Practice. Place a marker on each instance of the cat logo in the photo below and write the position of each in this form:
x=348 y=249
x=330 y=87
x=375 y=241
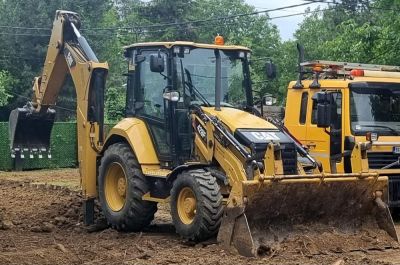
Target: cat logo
x=265 y=136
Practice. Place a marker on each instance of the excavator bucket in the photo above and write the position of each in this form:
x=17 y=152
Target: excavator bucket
x=313 y=214
x=30 y=131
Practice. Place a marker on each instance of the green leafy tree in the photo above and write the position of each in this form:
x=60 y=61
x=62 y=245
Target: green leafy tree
x=25 y=36
x=6 y=81
x=115 y=105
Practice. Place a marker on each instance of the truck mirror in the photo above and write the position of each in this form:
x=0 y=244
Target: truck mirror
x=324 y=102
x=270 y=70
x=139 y=59
x=157 y=63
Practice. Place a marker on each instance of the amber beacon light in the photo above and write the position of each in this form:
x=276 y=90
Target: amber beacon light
x=219 y=40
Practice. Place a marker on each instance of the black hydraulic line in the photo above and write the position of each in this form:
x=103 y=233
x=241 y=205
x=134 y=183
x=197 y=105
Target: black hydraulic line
x=218 y=76
x=91 y=56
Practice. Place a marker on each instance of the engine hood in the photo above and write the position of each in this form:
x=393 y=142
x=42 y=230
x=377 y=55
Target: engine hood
x=256 y=133
x=238 y=119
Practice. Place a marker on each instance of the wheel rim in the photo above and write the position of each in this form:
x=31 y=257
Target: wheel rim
x=186 y=205
x=115 y=187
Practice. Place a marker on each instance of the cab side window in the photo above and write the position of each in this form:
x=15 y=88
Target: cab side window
x=303 y=108
x=337 y=116
x=314 y=113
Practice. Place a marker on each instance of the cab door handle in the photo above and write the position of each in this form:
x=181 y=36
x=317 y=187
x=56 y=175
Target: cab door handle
x=311 y=145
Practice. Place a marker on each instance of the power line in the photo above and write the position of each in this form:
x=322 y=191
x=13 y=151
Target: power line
x=25 y=97
x=27 y=28
x=125 y=30
x=341 y=3
x=24 y=34
x=175 y=23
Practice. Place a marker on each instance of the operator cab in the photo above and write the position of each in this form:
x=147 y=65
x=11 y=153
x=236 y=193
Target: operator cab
x=166 y=78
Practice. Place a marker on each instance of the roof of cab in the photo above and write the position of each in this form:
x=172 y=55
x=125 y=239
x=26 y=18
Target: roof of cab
x=187 y=43
x=344 y=83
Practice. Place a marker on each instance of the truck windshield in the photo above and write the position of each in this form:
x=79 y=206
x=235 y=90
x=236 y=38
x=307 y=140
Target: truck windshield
x=375 y=110
x=198 y=67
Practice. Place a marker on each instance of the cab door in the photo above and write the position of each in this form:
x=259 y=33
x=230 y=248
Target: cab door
x=325 y=145
x=167 y=120
x=150 y=105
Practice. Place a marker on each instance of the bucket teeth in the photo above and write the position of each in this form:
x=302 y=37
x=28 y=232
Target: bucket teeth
x=34 y=152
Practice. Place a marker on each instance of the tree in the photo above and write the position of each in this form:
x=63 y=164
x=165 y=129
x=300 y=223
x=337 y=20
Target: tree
x=6 y=81
x=26 y=26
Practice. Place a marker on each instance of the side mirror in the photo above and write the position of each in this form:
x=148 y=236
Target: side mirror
x=270 y=70
x=173 y=96
x=268 y=100
x=139 y=58
x=324 y=103
x=157 y=63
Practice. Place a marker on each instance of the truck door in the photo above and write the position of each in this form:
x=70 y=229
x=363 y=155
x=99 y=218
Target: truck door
x=297 y=104
x=326 y=145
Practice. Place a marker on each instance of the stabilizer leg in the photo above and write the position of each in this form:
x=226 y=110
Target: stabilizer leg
x=88 y=211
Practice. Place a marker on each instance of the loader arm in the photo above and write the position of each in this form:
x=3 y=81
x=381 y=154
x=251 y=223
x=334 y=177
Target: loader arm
x=30 y=127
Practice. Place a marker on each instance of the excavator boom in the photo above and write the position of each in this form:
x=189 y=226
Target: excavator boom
x=30 y=126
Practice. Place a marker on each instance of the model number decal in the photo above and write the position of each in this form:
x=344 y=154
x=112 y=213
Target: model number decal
x=201 y=131
x=265 y=136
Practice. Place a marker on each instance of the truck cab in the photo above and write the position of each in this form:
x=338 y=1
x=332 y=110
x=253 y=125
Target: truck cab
x=365 y=109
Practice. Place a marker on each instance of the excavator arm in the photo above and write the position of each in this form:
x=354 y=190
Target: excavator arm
x=30 y=126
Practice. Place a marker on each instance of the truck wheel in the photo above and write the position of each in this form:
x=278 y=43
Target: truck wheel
x=121 y=187
x=196 y=205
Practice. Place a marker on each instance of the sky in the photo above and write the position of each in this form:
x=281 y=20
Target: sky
x=287 y=26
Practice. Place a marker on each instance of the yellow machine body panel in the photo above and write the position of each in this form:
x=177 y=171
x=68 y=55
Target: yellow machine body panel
x=136 y=133
x=239 y=119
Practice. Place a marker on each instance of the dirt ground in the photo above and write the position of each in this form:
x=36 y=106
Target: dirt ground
x=41 y=223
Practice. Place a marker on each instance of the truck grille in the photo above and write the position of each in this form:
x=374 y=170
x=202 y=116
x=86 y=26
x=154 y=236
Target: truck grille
x=394 y=191
x=378 y=160
x=289 y=158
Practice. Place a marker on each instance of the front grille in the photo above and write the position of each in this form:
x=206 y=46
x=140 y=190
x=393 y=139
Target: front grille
x=377 y=160
x=394 y=191
x=289 y=158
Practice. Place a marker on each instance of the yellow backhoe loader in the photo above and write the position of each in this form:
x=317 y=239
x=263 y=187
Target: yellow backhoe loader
x=191 y=139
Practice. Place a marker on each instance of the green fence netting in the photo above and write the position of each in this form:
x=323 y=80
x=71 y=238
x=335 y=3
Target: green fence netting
x=63 y=149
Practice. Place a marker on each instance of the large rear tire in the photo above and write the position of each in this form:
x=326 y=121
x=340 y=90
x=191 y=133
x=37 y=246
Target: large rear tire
x=121 y=187
x=196 y=205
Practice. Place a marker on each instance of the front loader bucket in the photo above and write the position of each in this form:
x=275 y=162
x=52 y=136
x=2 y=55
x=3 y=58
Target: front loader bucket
x=29 y=130
x=310 y=214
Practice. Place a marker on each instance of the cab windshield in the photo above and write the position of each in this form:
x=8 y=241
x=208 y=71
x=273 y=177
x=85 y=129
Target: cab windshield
x=375 y=109
x=198 y=66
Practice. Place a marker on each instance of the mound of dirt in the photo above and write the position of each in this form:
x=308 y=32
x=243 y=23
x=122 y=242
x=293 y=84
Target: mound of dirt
x=47 y=229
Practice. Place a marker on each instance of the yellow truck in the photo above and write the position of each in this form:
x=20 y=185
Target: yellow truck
x=344 y=104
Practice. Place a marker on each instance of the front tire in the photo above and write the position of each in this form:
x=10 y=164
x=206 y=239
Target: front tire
x=196 y=205
x=121 y=187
